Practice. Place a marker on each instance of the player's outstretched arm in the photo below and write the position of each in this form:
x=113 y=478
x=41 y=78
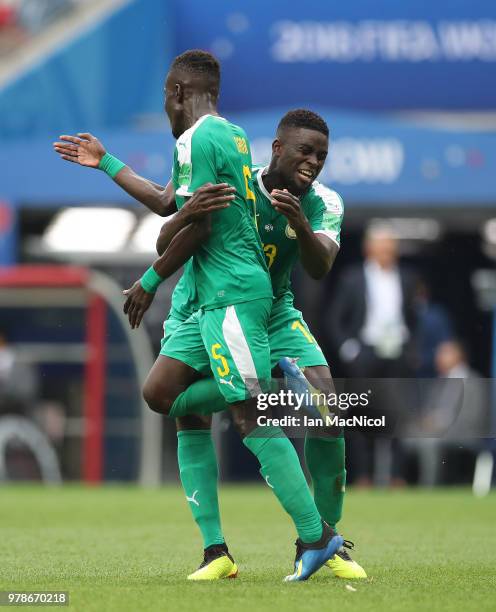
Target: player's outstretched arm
x=208 y=198
x=86 y=150
x=317 y=252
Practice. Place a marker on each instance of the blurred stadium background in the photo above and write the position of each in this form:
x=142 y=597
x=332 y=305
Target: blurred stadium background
x=408 y=92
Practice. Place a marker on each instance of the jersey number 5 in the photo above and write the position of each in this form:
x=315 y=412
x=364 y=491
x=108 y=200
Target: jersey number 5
x=224 y=370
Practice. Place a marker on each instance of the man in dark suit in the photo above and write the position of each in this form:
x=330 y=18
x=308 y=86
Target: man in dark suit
x=371 y=326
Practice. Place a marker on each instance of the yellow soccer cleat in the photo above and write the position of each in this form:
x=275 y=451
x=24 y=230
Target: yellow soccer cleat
x=343 y=566
x=217 y=563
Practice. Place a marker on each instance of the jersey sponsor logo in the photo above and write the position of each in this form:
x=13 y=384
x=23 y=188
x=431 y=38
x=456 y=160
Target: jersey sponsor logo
x=365 y=160
x=415 y=41
x=269 y=227
x=229 y=382
x=193 y=499
x=290 y=233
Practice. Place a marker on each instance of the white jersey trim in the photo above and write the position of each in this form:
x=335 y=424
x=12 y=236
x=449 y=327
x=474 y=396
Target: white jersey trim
x=183 y=146
x=240 y=351
x=260 y=182
x=332 y=235
x=332 y=200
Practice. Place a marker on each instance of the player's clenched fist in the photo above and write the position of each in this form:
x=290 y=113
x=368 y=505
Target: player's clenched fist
x=288 y=205
x=83 y=149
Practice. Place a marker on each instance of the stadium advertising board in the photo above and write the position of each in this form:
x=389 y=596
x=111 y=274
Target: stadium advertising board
x=375 y=55
x=371 y=159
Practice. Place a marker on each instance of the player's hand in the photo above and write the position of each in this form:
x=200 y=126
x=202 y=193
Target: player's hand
x=208 y=198
x=83 y=149
x=288 y=205
x=137 y=303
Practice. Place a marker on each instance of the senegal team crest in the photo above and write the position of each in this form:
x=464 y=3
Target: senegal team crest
x=290 y=233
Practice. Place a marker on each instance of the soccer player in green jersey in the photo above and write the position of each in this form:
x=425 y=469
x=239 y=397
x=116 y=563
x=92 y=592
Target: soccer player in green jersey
x=305 y=226
x=234 y=293
x=288 y=333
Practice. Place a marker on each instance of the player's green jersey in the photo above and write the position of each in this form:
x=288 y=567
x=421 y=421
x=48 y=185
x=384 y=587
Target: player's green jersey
x=323 y=208
x=229 y=267
x=184 y=297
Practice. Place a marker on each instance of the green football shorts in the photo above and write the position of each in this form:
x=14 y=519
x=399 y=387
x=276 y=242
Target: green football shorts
x=182 y=340
x=230 y=342
x=289 y=336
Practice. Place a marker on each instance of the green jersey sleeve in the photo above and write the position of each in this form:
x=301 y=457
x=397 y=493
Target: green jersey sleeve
x=199 y=161
x=326 y=213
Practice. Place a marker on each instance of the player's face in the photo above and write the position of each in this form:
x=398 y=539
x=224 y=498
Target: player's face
x=173 y=104
x=301 y=154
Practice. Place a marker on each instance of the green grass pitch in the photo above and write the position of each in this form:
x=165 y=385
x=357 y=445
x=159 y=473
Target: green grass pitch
x=118 y=548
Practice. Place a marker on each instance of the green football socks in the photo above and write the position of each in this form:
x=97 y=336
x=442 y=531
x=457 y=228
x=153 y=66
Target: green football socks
x=325 y=459
x=198 y=471
x=281 y=469
x=202 y=397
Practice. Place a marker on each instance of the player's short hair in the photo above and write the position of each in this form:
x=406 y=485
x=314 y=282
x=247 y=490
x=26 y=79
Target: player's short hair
x=303 y=118
x=200 y=63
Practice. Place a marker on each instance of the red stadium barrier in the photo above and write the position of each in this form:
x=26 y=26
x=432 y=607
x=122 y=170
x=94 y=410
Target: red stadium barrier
x=50 y=276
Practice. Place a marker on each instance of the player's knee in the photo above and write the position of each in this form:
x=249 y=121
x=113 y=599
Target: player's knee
x=156 y=398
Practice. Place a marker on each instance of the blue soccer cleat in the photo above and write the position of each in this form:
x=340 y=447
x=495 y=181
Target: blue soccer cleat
x=311 y=557
x=295 y=381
